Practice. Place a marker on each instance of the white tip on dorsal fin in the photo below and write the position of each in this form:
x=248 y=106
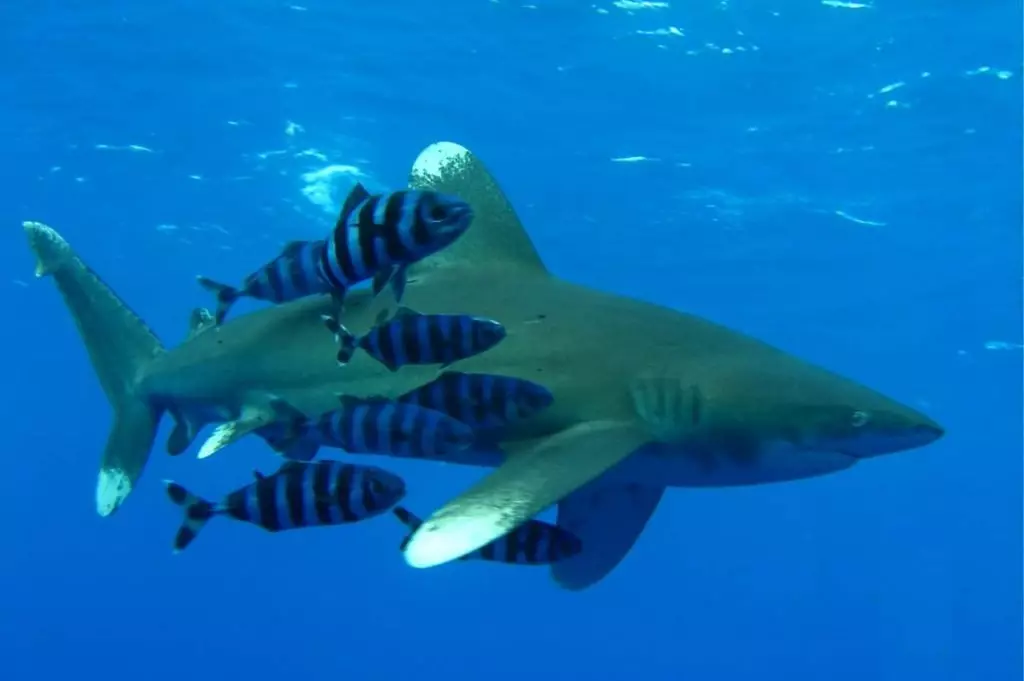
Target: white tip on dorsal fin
x=495 y=239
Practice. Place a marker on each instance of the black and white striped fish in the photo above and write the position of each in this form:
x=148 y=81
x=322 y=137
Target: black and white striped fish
x=371 y=426
x=379 y=236
x=296 y=495
x=413 y=338
x=293 y=274
x=533 y=543
x=481 y=401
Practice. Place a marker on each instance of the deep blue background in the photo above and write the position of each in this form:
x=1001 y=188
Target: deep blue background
x=908 y=567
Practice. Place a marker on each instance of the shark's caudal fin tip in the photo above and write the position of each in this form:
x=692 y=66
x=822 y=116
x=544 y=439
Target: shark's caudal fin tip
x=49 y=247
x=112 y=488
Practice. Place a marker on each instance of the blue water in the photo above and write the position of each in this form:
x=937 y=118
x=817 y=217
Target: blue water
x=843 y=182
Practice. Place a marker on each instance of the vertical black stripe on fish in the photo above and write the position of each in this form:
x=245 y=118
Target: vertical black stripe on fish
x=416 y=340
x=529 y=542
x=447 y=396
x=408 y=443
x=327 y=427
x=424 y=434
x=439 y=341
x=478 y=401
x=284 y=520
x=396 y=217
x=369 y=232
x=419 y=233
x=378 y=343
x=237 y=505
x=297 y=275
x=322 y=492
x=340 y=254
x=275 y=284
x=294 y=496
x=371 y=426
x=370 y=502
x=386 y=427
x=401 y=246
x=343 y=490
x=266 y=499
x=328 y=257
x=392 y=336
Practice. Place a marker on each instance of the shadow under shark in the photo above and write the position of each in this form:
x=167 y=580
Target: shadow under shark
x=645 y=397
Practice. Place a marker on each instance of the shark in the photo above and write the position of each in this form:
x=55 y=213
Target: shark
x=646 y=397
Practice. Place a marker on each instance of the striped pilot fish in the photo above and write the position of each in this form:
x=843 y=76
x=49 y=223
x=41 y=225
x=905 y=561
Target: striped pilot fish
x=293 y=274
x=296 y=495
x=413 y=338
x=481 y=401
x=374 y=425
x=532 y=543
x=379 y=236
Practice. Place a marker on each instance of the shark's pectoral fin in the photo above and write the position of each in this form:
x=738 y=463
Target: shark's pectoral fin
x=608 y=519
x=528 y=482
x=254 y=416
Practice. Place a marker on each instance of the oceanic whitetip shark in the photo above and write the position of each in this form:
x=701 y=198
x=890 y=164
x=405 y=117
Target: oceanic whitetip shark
x=645 y=397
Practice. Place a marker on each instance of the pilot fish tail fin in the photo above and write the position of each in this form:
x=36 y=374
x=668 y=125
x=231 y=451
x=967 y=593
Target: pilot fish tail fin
x=497 y=240
x=226 y=296
x=120 y=345
x=347 y=342
x=198 y=512
x=410 y=520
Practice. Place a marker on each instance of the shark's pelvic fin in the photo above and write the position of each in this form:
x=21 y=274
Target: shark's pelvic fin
x=496 y=239
x=120 y=345
x=258 y=413
x=608 y=518
x=526 y=484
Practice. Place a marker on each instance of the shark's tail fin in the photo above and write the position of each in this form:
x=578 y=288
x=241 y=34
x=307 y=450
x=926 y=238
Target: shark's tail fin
x=120 y=345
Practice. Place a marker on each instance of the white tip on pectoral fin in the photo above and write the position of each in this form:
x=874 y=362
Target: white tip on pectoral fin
x=521 y=487
x=112 y=488
x=222 y=436
x=450 y=536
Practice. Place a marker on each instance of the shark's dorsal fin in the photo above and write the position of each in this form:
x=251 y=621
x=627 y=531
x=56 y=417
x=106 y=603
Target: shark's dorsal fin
x=496 y=239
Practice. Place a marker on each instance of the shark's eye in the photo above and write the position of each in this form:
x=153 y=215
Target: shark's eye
x=860 y=418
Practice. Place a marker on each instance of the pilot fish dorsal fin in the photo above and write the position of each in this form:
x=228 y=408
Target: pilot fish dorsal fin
x=495 y=240
x=356 y=195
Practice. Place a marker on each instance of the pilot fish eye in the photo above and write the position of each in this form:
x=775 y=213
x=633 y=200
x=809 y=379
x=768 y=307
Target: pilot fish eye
x=860 y=418
x=376 y=486
x=437 y=213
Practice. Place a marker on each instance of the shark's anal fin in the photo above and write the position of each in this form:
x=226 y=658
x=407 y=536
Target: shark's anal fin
x=496 y=239
x=527 y=483
x=120 y=346
x=607 y=517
